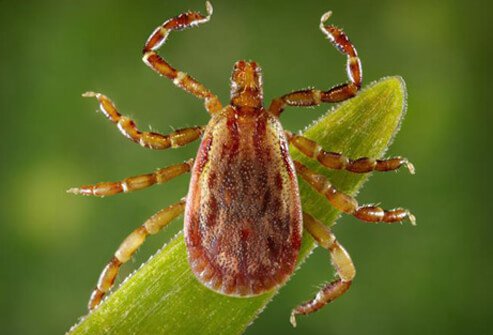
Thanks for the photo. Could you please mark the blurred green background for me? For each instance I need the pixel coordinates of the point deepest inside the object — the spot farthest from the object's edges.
(429, 279)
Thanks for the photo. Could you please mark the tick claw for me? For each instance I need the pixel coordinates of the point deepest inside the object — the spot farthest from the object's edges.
(412, 218)
(325, 17)
(410, 167)
(73, 190)
(90, 94)
(209, 9)
(292, 319)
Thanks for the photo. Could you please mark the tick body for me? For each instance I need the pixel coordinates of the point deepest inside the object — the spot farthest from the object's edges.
(243, 216)
(243, 219)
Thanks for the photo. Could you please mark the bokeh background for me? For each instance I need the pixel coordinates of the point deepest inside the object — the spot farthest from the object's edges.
(430, 279)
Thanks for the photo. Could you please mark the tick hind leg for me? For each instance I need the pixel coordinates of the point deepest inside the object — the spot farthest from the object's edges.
(179, 78)
(313, 97)
(134, 183)
(129, 246)
(341, 261)
(349, 205)
(145, 138)
(334, 160)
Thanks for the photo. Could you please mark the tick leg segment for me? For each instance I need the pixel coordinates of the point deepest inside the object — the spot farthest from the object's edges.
(349, 205)
(313, 97)
(134, 183)
(334, 160)
(145, 138)
(341, 261)
(129, 246)
(180, 79)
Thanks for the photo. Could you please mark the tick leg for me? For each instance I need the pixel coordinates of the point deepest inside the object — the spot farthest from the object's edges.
(340, 260)
(134, 183)
(129, 246)
(333, 160)
(146, 139)
(180, 79)
(313, 97)
(349, 205)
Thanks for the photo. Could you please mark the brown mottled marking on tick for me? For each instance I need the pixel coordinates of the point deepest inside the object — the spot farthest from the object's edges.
(313, 97)
(146, 139)
(230, 148)
(349, 205)
(334, 160)
(135, 183)
(180, 79)
(211, 216)
(278, 181)
(203, 156)
(129, 246)
(259, 137)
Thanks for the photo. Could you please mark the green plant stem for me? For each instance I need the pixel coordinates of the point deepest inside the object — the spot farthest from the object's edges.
(163, 296)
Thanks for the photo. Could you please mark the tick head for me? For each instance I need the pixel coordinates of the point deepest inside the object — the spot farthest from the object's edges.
(246, 85)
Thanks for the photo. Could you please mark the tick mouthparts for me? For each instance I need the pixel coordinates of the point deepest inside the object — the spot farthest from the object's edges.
(410, 167)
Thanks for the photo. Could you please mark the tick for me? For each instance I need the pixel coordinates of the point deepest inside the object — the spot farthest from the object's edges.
(243, 216)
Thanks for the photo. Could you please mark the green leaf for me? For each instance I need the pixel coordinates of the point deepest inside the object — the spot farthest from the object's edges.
(163, 296)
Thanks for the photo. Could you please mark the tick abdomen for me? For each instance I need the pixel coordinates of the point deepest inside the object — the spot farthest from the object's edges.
(243, 221)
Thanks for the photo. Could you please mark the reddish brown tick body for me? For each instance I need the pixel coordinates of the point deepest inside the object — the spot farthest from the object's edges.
(243, 216)
(243, 219)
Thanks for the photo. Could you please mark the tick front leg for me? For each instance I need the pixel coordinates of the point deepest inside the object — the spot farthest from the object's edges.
(134, 183)
(129, 246)
(180, 79)
(313, 97)
(146, 139)
(349, 205)
(341, 261)
(333, 160)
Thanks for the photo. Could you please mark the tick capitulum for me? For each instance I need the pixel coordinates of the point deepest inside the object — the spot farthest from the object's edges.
(243, 216)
